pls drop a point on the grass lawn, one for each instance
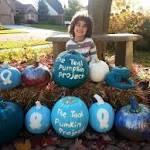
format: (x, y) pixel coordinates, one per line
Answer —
(11, 31)
(21, 44)
(51, 27)
(139, 57)
(142, 57)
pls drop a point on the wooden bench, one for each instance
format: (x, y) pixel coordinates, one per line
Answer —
(123, 51)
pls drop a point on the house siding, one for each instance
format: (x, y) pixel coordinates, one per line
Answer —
(6, 19)
(30, 16)
(7, 12)
(28, 11)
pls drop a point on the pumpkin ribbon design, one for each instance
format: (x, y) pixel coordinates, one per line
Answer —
(103, 117)
(35, 120)
(6, 80)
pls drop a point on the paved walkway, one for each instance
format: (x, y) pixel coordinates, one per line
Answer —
(32, 33)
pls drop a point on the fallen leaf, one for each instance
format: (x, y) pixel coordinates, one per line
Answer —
(23, 145)
(49, 140)
(77, 145)
(37, 141)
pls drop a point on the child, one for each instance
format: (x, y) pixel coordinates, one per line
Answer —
(81, 41)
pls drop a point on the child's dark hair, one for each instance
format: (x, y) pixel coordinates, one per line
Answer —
(81, 17)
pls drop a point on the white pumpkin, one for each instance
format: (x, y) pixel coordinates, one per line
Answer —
(98, 70)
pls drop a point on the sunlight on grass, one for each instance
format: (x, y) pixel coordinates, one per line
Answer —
(28, 50)
(11, 31)
(19, 44)
(51, 27)
(139, 57)
(142, 57)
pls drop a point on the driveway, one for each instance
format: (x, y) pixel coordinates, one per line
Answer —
(32, 33)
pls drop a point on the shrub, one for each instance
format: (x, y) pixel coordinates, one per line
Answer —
(145, 32)
(31, 22)
(126, 21)
(132, 22)
(2, 28)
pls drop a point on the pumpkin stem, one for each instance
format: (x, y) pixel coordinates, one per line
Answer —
(38, 104)
(36, 63)
(72, 51)
(69, 100)
(135, 108)
(5, 65)
(99, 99)
(2, 104)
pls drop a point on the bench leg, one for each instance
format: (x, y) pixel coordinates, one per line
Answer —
(129, 54)
(101, 49)
(124, 54)
(58, 48)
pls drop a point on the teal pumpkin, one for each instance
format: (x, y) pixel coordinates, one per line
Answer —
(70, 116)
(10, 77)
(38, 119)
(101, 115)
(11, 121)
(133, 121)
(70, 69)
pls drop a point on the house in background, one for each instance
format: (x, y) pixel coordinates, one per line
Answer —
(12, 11)
(7, 11)
(56, 11)
(27, 13)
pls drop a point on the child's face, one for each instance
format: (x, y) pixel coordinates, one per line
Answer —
(80, 30)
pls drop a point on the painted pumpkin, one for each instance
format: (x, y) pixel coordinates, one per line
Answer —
(119, 77)
(38, 119)
(101, 115)
(133, 121)
(36, 75)
(70, 69)
(70, 116)
(10, 77)
(98, 70)
(11, 121)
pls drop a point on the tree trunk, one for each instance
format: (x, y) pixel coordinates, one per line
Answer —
(99, 10)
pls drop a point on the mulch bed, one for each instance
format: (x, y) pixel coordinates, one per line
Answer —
(89, 140)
